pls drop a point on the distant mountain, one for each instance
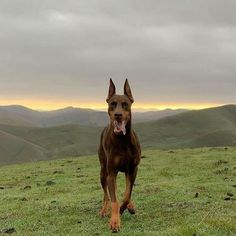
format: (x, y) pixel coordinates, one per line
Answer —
(155, 115)
(207, 127)
(71, 115)
(22, 116)
(18, 115)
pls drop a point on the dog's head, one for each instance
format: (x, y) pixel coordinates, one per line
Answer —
(119, 107)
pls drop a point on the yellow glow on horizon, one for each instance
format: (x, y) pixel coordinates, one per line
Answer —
(53, 105)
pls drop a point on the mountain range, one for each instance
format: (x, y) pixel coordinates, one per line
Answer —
(22, 116)
(29, 135)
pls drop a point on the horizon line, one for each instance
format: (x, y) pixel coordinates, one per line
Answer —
(46, 106)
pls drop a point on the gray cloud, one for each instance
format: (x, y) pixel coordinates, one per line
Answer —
(172, 51)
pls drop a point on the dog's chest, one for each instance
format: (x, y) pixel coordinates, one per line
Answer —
(123, 161)
(122, 154)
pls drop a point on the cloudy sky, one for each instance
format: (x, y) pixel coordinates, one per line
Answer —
(58, 53)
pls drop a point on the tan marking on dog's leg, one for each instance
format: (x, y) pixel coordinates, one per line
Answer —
(115, 217)
(115, 208)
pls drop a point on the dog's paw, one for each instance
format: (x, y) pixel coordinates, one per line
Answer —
(122, 208)
(115, 224)
(131, 208)
(103, 213)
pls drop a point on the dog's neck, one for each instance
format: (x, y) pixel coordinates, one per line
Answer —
(128, 127)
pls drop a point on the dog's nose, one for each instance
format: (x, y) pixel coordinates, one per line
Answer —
(118, 115)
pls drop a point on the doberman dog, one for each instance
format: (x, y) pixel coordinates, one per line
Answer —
(119, 151)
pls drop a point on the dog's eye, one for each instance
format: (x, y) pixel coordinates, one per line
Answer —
(113, 104)
(124, 104)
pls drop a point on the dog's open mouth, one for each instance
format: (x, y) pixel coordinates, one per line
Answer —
(119, 127)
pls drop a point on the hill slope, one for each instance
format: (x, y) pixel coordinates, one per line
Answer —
(16, 150)
(182, 193)
(59, 141)
(207, 127)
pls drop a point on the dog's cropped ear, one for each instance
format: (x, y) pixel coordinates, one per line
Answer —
(112, 90)
(127, 91)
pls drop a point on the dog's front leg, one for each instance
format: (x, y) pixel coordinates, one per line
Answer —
(115, 208)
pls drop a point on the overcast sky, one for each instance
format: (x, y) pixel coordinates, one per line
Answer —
(64, 52)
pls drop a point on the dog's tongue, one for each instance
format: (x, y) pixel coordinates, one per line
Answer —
(119, 127)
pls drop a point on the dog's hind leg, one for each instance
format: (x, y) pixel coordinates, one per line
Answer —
(130, 179)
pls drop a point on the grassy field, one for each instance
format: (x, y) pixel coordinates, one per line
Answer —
(177, 192)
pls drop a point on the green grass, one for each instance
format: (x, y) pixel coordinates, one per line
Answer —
(164, 195)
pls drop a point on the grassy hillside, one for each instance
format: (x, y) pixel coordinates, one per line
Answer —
(177, 192)
(61, 141)
(17, 150)
(207, 127)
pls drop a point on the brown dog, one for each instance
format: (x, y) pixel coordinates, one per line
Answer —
(119, 151)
